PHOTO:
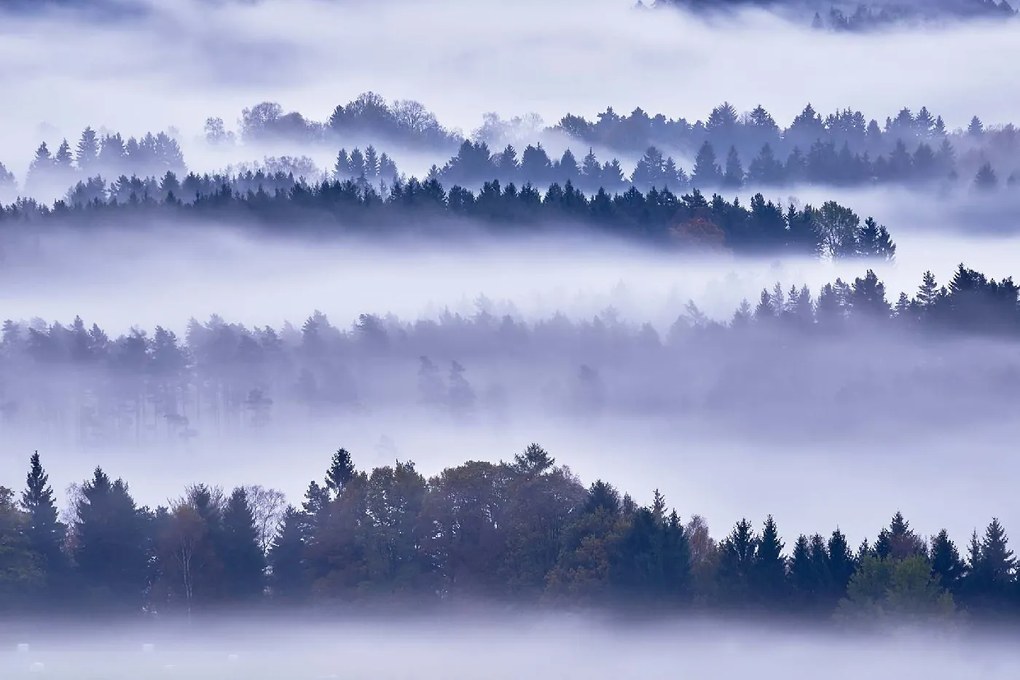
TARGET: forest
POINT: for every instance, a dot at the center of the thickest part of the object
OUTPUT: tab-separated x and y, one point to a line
523	532
860	16
787	353
728	150
689	222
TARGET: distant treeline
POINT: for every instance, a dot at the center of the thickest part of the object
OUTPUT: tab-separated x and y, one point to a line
852	15
285	205
788	354
526	531
728	150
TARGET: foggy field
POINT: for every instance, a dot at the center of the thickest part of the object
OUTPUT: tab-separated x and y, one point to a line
504	646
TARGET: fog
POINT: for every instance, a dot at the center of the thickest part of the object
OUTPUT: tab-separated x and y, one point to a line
515	646
183	61
152	276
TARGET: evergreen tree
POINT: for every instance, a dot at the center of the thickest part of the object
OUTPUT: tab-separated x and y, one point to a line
736	563
43	531
733	178
110	547
706	169
288	575
946	564
243	561
769	571
341	471
87	151
986	179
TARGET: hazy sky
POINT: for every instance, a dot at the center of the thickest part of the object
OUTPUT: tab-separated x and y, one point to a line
190	59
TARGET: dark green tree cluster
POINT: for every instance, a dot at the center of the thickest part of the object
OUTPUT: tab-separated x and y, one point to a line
690	221
523	531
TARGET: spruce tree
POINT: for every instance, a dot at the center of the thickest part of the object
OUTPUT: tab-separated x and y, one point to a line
946	565
44	532
288	577
243	561
341	471
769	571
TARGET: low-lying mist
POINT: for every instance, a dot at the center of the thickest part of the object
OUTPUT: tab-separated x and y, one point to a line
165	275
503	646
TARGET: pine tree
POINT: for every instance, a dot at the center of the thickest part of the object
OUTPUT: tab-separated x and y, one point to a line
733	178
706	169
341	471
243	561
371	163
87	151
110	543
736	563
946	565
927	293
769	571
44	533
841	564
288	575
986	179
342	167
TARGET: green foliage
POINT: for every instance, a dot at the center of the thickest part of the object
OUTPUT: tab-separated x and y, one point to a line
895	590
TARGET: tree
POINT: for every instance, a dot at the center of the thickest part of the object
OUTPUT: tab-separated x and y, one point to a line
769	569
736	563
243	559
20	572
110	543
895	590
706	170
43	532
986	179
341	471
87	151
838	228
899	541
534	461
991	572
867	297
874	241
734	175
288	577
946	565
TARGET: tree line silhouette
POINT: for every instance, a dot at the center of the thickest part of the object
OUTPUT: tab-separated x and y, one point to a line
858	16
524	531
787	353
349	206
728	150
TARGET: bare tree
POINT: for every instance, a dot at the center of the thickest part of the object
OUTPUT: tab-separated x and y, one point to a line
268	506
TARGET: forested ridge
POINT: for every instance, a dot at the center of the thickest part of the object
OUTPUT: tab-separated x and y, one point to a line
524	531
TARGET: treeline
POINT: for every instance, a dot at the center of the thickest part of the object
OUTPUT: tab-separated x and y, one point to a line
860	16
350	206
524	531
729	150
785	354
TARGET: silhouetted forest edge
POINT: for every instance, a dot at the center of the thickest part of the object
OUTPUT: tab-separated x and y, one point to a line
518	532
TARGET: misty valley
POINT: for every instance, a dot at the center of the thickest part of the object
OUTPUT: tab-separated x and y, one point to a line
601	338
